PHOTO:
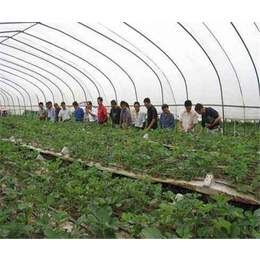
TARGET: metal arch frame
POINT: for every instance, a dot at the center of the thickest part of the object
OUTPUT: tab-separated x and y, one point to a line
72	65
16	22
101	53
16	90
22	72
171	60
67	63
249	53
10	31
6	93
146	57
35	73
27	81
20	31
74	78
7	99
256	27
14	57
54	64
117	43
3	99
214	67
232	65
38	101
14	107
19	87
19	105
60	61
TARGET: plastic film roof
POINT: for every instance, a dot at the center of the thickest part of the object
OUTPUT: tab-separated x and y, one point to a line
215	64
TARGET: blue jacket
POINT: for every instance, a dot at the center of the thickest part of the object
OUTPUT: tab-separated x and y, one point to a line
79	114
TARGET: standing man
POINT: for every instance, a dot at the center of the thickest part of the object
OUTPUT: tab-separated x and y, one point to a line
210	118
57	111
167	118
125	116
152	116
138	117
78	112
90	113
115	113
42	114
102	111
188	118
64	114
50	112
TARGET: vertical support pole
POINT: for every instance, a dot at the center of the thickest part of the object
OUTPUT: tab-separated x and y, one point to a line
19	106
38	101
244	120
234	128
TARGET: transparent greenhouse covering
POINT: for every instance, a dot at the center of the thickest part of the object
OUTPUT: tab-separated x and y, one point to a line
216	64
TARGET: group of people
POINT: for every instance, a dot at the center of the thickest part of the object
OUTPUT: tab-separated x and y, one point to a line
125	118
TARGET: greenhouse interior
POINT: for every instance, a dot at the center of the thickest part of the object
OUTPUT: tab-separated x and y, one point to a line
141	130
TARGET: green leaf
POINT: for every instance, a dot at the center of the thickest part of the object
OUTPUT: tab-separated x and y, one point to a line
102	215
220	199
114	223
28	228
49	233
203	232
22	206
44	220
235	231
257	213
184	231
96	231
61	217
222	223
151	233
127	216
80	220
109	234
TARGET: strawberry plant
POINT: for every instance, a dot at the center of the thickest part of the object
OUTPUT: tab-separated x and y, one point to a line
53	199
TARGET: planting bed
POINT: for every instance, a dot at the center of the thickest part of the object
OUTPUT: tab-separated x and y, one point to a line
54	199
231	159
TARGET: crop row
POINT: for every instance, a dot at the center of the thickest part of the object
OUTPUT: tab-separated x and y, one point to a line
233	159
107	206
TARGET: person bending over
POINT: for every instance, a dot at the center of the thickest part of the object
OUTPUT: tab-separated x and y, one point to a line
210	118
